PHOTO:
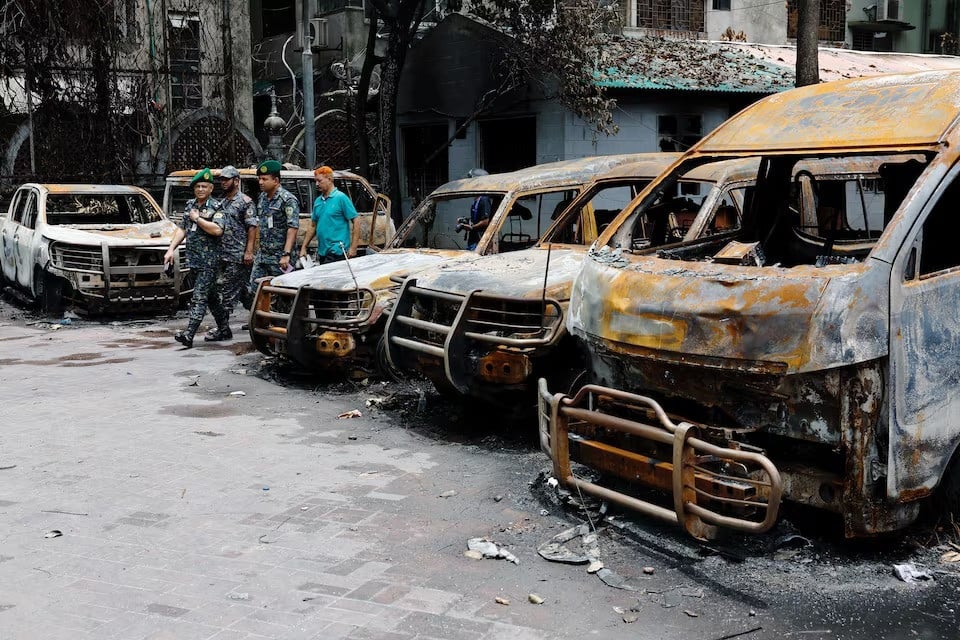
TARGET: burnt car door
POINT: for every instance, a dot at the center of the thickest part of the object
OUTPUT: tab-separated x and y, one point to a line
7	232
24	245
925	346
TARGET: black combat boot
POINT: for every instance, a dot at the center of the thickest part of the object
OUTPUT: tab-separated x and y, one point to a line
222	332
186	337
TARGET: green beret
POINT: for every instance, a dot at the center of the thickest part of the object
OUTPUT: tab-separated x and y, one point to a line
269	167
204	175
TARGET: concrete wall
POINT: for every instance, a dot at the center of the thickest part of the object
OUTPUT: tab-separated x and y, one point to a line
925	15
562	136
761	22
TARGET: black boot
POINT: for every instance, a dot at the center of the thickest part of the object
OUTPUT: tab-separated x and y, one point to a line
222	332
186	337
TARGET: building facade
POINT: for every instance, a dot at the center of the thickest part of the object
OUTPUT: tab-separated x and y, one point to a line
152	85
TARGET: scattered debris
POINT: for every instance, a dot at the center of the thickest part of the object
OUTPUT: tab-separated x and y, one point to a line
8	467
238	394
692	614
502	601
497	498
630	618
351	437
950	556
194	381
353	413
614	580
544	512
535	599
53	533
649	571
556	550
731	636
375	402
66	513
448	494
553	482
238	596
489	549
473	554
595	566
910	573
239	372
210	434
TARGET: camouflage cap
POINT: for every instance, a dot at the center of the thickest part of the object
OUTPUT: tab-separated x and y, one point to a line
229	171
204	175
271	167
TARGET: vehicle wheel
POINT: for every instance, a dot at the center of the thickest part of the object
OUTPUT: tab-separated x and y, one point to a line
946	498
48	291
384	367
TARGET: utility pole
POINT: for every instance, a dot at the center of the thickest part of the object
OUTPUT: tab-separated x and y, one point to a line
309	133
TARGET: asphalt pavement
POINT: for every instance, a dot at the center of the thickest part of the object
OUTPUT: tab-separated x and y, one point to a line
147	491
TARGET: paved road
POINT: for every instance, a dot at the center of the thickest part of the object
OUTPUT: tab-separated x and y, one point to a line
187	512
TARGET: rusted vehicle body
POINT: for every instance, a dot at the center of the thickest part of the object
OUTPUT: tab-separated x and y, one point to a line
376	231
813	357
99	247
331	317
486	327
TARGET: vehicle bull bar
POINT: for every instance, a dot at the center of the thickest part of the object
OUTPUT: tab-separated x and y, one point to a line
449	342
694	487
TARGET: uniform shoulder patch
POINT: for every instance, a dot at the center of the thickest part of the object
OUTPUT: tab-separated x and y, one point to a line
217	215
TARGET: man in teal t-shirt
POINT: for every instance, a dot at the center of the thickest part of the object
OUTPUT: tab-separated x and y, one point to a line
333	221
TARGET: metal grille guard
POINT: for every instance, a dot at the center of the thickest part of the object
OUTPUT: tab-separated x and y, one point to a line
692	485
456	334
318	306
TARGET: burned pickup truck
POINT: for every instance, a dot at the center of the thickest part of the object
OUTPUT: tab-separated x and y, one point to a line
813	356
97	246
486	327
331	317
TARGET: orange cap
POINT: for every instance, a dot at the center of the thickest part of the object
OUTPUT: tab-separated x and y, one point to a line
324	170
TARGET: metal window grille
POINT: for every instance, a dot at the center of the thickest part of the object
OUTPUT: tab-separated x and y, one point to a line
833	20
721	5
672	15
183	35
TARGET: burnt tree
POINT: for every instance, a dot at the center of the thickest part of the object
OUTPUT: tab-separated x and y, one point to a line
808	36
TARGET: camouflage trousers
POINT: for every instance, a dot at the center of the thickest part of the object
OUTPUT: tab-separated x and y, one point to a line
261	269
207	293
232	281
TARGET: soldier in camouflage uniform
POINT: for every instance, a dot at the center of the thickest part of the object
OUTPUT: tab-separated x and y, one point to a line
239	234
278	217
202	226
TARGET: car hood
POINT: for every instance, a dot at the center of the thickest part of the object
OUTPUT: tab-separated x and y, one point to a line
518	274
802	318
155	233
372	270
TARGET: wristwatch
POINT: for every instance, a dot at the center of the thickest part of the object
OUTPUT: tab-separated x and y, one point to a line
285	253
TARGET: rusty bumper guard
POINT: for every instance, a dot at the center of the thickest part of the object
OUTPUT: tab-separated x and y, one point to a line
704	498
473	317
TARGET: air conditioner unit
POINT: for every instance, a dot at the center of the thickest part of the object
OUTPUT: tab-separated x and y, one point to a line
318	33
889	11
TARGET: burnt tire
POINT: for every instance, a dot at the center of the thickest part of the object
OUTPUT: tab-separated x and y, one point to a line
384	366
48	292
946	499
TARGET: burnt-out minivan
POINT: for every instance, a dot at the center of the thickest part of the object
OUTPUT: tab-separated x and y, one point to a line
814	356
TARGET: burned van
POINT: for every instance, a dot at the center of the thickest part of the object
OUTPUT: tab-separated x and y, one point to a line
331	317
486	327
813	355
